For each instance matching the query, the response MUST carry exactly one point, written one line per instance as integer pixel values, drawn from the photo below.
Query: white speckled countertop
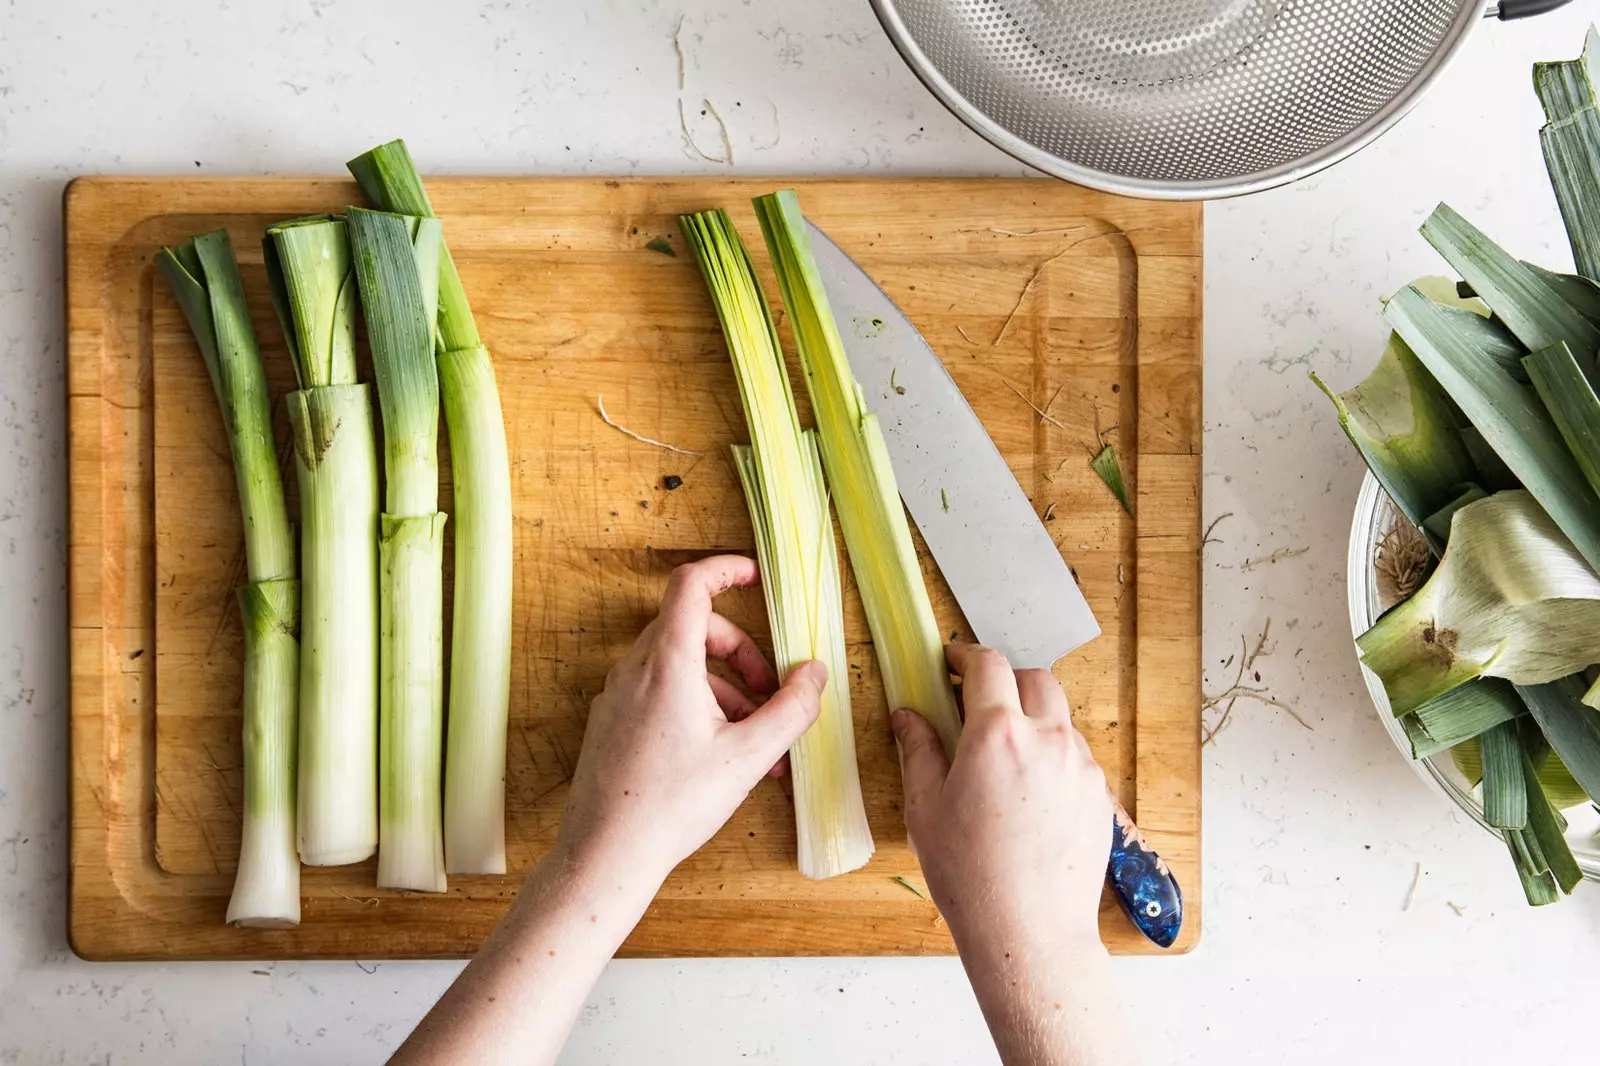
(1311, 836)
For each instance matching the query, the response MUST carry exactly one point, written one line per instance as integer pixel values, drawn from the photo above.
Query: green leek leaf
(1572, 729)
(1511, 598)
(1571, 144)
(1451, 344)
(1534, 311)
(1461, 714)
(1403, 425)
(1546, 826)
(1505, 795)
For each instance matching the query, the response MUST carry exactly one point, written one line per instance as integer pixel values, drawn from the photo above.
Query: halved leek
(781, 472)
(205, 278)
(905, 634)
(480, 641)
(336, 462)
(397, 271)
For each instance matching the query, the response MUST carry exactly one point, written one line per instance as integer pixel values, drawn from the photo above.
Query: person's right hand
(1014, 836)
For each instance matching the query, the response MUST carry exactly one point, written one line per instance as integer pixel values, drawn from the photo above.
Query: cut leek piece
(1534, 311)
(781, 472)
(1532, 870)
(905, 634)
(1580, 292)
(397, 270)
(1572, 728)
(1461, 714)
(1458, 349)
(1548, 828)
(336, 465)
(1511, 598)
(1505, 794)
(1402, 423)
(480, 641)
(1571, 144)
(204, 276)
(1570, 399)
(1104, 462)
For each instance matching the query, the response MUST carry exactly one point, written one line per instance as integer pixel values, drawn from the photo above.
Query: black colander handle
(1507, 10)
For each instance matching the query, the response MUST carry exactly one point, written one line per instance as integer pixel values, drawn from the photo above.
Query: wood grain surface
(574, 306)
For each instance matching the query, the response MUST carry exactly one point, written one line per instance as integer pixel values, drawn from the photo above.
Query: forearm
(518, 998)
(1048, 1004)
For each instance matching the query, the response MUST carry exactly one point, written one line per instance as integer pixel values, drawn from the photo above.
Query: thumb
(771, 729)
(923, 764)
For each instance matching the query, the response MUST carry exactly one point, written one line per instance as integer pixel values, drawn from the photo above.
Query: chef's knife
(1001, 564)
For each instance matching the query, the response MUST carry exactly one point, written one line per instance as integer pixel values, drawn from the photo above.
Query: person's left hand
(671, 750)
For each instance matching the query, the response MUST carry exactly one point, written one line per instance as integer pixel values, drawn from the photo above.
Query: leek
(1461, 714)
(336, 464)
(397, 272)
(204, 276)
(1533, 310)
(1572, 729)
(480, 640)
(1570, 399)
(1402, 424)
(1571, 143)
(781, 473)
(905, 634)
(1511, 598)
(1505, 793)
(1465, 354)
(1548, 828)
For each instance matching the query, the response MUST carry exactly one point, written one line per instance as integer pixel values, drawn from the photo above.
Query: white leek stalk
(480, 469)
(781, 473)
(397, 271)
(205, 278)
(336, 463)
(905, 634)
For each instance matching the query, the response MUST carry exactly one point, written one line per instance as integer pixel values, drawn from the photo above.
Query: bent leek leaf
(1401, 422)
(1511, 598)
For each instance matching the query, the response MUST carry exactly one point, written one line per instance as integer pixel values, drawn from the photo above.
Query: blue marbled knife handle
(1143, 884)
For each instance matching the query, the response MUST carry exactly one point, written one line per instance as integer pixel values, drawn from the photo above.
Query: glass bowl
(1375, 517)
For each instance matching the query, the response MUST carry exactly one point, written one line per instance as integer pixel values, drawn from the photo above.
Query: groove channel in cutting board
(573, 305)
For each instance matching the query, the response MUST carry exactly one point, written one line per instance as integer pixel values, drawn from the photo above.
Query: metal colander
(1179, 99)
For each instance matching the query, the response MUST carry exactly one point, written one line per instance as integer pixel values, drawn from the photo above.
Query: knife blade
(1003, 568)
(1015, 589)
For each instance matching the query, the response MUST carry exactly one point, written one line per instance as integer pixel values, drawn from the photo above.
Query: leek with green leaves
(480, 641)
(204, 276)
(782, 476)
(905, 634)
(336, 464)
(397, 272)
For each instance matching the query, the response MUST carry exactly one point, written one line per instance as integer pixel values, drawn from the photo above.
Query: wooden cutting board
(1033, 292)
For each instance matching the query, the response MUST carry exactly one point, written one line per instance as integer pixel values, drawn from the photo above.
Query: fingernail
(898, 720)
(816, 672)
